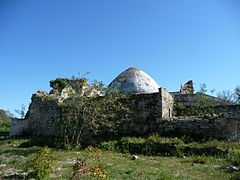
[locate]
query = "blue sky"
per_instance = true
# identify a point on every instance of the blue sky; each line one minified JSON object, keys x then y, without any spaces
{"x":173,"y":41}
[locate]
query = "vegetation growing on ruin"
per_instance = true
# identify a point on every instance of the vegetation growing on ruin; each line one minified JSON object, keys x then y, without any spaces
{"x":59,"y":83}
{"x":86,"y":113}
{"x":204,"y":105}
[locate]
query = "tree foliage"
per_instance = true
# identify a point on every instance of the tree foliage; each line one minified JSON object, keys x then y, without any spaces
{"x":4,"y":119}
{"x":21,"y":112}
{"x":59,"y":83}
{"x":231,"y":96}
{"x":237,"y":94}
{"x":90,"y":110}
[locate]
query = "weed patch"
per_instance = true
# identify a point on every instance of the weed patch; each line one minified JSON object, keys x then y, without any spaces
{"x":41,"y":164}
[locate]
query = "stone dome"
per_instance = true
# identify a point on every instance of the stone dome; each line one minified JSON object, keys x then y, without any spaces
{"x":134,"y":80}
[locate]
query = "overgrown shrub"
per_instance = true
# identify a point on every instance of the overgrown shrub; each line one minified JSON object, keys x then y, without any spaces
{"x":41,"y":164}
{"x":86,"y":113}
{"x":157,"y":145}
{"x":156,"y":138}
{"x":234,"y":157}
{"x":132,"y":139}
{"x":109,"y":146}
{"x":59,"y":83}
{"x":203,"y":106}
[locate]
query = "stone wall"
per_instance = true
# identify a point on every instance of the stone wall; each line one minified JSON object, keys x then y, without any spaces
{"x":147,"y":121}
{"x":222,"y":128}
{"x":146,"y":114}
{"x":151,"y":113}
{"x":187,"y":88}
{"x":192,"y":99}
{"x":185,"y":99}
{"x":229,"y":110}
{"x":43,"y":116}
{"x":166,"y":103}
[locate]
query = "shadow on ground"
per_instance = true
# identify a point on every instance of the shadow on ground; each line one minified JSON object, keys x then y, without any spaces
{"x":20,"y":152}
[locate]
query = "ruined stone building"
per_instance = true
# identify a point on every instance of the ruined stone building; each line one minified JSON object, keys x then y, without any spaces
{"x":154,"y":111}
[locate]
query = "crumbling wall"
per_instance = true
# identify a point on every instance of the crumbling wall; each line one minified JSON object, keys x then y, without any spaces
{"x":43,"y":115}
{"x":222,"y":128}
{"x":187,"y":88}
{"x":146,"y":114}
{"x":166,"y":103}
{"x":147,"y":117}
{"x":148,"y":110}
{"x":232,"y":110}
{"x":185,"y":99}
{"x":196,"y":99}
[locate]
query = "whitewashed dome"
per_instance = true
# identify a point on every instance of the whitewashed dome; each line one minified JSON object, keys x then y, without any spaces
{"x":134,"y":80}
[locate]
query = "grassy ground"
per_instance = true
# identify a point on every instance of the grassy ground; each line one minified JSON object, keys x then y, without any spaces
{"x":14,"y":159}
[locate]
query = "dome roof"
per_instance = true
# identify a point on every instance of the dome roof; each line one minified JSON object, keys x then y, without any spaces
{"x":134,"y":80}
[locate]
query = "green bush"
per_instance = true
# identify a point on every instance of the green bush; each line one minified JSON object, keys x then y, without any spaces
{"x":42,"y":164}
{"x":59,"y":83}
{"x":156,"y":138}
{"x":234,"y":157}
{"x":109,"y":146}
{"x":132,"y":140}
{"x":89,"y":109}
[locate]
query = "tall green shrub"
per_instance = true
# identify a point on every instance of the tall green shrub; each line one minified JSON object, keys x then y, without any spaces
{"x":42,"y":164}
{"x":91,"y":110}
